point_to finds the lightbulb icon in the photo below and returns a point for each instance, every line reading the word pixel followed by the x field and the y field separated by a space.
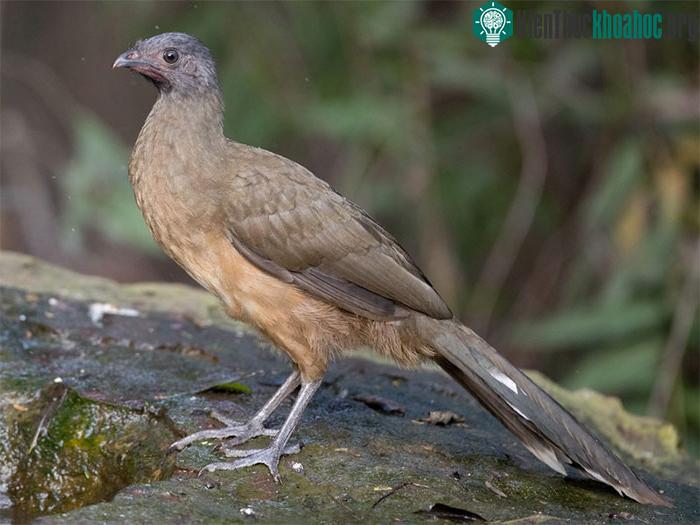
pixel 493 22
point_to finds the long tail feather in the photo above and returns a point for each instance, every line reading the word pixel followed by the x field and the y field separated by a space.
pixel 546 429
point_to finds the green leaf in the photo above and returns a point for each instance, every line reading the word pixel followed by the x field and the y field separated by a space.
pixel 385 23
pixel 232 387
pixel 627 369
pixel 367 118
pixel 620 174
pixel 593 325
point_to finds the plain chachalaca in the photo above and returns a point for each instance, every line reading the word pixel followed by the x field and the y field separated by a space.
pixel 313 272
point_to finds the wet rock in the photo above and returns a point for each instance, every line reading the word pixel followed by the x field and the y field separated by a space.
pixel 63 451
pixel 90 448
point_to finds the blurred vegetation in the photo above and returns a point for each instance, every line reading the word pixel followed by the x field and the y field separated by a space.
pixel 549 188
pixel 99 194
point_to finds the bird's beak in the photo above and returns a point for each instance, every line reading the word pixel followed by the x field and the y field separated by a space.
pixel 127 59
pixel 133 60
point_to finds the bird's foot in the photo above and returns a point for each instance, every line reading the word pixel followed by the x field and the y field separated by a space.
pixel 270 457
pixel 240 432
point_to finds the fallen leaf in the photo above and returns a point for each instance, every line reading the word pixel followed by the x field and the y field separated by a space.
pixel 447 512
pixel 380 404
pixel 442 418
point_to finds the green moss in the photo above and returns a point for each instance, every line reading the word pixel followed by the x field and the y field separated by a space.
pixel 73 451
pixel 232 387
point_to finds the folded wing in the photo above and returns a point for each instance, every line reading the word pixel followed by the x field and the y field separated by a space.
pixel 294 226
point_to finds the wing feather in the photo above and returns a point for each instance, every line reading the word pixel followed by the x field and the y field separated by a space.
pixel 293 225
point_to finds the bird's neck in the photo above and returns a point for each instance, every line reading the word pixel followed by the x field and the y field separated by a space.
pixel 181 135
pixel 200 115
pixel 180 132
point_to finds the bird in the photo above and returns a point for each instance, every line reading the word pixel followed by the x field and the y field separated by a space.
pixel 314 273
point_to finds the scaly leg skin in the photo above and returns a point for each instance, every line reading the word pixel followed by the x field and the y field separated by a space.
pixel 270 457
pixel 242 432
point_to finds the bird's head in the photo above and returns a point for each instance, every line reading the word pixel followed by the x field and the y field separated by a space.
pixel 174 62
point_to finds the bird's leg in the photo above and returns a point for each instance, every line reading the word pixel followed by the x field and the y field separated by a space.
pixel 270 456
pixel 242 432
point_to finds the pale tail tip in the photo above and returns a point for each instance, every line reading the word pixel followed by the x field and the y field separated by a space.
pixel 650 497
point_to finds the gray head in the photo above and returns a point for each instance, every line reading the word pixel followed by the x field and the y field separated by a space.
pixel 174 62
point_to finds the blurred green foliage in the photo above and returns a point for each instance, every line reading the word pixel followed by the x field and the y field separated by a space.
pixel 96 185
pixel 400 108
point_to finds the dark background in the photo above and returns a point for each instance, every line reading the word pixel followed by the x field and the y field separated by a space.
pixel 549 188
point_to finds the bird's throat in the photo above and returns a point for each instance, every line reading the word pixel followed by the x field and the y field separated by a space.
pixel 180 133
pixel 179 144
pixel 196 115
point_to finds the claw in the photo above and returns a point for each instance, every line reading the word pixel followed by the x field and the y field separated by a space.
pixel 270 457
pixel 240 432
pixel 249 434
pixel 242 453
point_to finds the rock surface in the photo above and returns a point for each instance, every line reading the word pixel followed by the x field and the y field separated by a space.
pixel 90 400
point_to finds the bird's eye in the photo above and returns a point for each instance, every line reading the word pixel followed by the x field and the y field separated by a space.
pixel 171 56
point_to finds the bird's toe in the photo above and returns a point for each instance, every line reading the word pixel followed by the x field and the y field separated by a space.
pixel 270 457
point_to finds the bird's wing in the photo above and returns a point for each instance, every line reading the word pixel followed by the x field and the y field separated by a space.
pixel 293 225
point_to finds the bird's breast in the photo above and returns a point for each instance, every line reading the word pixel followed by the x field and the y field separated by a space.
pixel 179 215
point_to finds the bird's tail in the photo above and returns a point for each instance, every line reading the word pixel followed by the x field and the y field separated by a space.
pixel 546 429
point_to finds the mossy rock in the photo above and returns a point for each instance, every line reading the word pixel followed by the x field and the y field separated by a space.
pixel 88 407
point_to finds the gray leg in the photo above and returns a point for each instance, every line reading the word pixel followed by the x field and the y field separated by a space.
pixel 271 456
pixel 244 431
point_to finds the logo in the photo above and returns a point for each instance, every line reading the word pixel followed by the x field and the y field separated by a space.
pixel 493 23
pixel 627 25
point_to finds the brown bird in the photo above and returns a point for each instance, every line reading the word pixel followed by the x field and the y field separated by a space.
pixel 313 272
